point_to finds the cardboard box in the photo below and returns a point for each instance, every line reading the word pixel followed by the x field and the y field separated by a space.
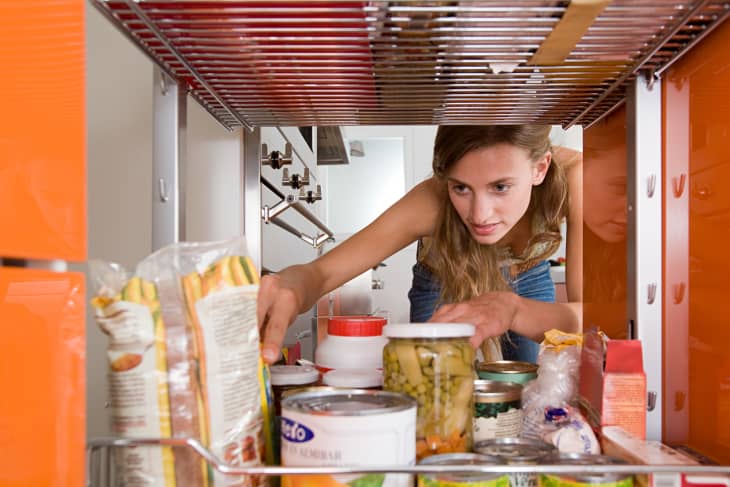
pixel 613 383
pixel 618 443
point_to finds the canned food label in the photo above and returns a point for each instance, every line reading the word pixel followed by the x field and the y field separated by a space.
pixel 340 440
pixel 505 425
pixel 523 480
pixel 425 481
pixel 555 481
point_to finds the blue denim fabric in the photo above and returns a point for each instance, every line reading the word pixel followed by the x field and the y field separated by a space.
pixel 534 283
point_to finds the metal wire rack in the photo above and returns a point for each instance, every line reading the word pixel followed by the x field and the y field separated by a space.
pixel 348 62
pixel 101 469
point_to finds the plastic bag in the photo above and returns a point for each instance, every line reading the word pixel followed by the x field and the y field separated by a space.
pixel 206 361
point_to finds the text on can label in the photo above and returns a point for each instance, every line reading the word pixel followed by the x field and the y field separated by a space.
pixel 296 432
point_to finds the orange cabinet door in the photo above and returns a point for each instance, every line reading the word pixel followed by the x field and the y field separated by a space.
pixel 697 226
pixel 42 130
pixel 42 378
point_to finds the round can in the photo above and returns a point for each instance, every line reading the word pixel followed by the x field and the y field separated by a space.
pixel 602 479
pixel 518 451
pixel 508 371
pixel 497 410
pixel 336 427
pixel 477 479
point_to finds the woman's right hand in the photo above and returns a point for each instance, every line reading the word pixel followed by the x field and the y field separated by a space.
pixel 277 307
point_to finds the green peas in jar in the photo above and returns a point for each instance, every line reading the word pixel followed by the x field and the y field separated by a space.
pixel 434 364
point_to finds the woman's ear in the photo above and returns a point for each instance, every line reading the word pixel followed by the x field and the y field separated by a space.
pixel 540 169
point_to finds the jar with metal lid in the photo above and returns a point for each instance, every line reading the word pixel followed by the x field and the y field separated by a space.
pixel 354 378
pixel 434 363
pixel 497 410
pixel 508 371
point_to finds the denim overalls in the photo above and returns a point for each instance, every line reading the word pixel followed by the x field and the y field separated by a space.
pixel 534 283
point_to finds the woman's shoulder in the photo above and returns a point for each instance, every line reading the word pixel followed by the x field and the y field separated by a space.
pixel 567 158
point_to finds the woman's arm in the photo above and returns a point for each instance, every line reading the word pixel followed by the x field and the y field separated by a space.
pixel 284 295
pixel 494 313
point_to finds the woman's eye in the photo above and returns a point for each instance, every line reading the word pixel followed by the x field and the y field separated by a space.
pixel 459 188
pixel 501 188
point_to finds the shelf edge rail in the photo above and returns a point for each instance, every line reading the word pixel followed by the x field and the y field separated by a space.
pixel 95 448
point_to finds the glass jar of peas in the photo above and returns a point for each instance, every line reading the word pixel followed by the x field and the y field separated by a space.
pixel 434 363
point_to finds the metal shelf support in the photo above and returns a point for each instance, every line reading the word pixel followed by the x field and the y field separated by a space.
pixel 168 164
pixel 644 235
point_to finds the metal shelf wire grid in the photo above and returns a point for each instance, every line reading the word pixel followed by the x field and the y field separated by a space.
pixel 344 62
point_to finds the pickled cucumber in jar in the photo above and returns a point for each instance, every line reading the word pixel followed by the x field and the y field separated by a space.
pixel 434 363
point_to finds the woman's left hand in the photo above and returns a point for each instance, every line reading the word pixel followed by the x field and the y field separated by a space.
pixel 492 314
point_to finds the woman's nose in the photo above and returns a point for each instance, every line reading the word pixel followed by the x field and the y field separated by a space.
pixel 481 210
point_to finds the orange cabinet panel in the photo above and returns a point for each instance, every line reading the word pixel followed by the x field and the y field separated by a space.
pixel 42 130
pixel 697 221
pixel 604 225
pixel 42 377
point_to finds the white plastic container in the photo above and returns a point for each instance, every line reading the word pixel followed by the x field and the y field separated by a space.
pixel 353 342
pixel 354 378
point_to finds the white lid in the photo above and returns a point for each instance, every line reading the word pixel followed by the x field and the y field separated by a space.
pixel 353 378
pixel 285 375
pixel 429 330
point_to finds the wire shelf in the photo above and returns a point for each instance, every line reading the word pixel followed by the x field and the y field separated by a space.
pixel 344 62
pixel 101 469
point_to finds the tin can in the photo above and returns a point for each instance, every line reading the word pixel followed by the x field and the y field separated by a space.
pixel 518 451
pixel 476 479
pixel 600 479
pixel 348 427
pixel 508 371
pixel 497 410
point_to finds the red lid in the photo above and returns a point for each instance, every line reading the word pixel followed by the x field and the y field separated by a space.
pixel 356 326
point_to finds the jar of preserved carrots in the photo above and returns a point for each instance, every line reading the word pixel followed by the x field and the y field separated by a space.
pixel 434 363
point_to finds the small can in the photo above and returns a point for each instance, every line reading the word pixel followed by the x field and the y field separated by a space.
pixel 601 479
pixel 476 479
pixel 497 410
pixel 335 427
pixel 518 451
pixel 508 371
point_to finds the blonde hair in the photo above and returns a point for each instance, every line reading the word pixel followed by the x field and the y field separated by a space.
pixel 464 267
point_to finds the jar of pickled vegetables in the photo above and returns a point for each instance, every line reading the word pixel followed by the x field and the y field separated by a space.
pixel 434 363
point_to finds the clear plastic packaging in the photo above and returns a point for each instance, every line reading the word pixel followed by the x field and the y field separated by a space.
pixel 434 363
pixel 185 362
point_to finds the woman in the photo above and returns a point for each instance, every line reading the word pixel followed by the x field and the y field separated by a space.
pixel 489 213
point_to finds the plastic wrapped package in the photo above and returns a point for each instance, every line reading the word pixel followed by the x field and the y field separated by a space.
pixel 547 400
pixel 209 380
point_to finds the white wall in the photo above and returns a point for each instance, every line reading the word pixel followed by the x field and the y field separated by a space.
pixel 119 100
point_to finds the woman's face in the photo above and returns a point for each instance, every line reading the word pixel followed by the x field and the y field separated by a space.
pixel 490 189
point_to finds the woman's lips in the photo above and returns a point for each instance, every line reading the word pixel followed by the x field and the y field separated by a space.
pixel 484 230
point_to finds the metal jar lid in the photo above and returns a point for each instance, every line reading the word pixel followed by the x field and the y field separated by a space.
pixel 462 459
pixel 508 367
pixel 348 402
pixel 287 375
pixel 492 391
pixel 516 450
pixel 588 459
